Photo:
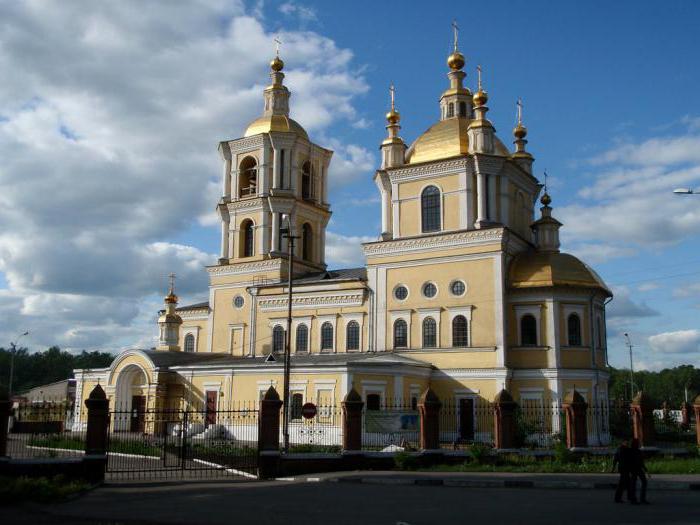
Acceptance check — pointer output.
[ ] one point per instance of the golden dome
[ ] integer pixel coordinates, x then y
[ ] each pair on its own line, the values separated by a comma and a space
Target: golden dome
520, 132
171, 298
276, 64
275, 123
546, 199
548, 269
448, 138
455, 61
393, 116
480, 98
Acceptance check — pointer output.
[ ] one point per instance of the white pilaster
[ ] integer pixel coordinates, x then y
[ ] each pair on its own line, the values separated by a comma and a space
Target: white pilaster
481, 198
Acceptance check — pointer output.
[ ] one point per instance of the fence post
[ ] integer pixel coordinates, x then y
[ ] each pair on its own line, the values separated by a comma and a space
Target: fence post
696, 409
269, 434
576, 423
5, 405
429, 409
686, 411
504, 420
352, 421
642, 410
95, 459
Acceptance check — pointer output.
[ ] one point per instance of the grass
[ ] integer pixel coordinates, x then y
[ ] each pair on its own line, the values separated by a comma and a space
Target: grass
123, 447
42, 490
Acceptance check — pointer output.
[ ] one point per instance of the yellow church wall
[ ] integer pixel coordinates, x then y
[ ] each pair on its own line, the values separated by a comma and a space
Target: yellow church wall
198, 328
519, 386
431, 255
450, 389
134, 359
578, 358
453, 359
527, 357
226, 318
583, 386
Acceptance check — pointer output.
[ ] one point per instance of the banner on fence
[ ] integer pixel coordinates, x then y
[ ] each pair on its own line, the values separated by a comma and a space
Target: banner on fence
391, 421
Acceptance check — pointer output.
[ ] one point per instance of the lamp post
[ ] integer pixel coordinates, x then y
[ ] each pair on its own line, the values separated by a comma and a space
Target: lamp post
13, 349
629, 345
288, 234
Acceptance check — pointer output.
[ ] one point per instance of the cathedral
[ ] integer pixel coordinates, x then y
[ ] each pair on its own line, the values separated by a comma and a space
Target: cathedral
465, 289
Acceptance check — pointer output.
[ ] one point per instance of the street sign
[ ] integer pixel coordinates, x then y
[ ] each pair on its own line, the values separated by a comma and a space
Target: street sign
308, 410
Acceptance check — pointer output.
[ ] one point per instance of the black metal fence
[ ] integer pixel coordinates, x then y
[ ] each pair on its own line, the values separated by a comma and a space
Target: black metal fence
44, 430
466, 421
183, 443
391, 427
322, 432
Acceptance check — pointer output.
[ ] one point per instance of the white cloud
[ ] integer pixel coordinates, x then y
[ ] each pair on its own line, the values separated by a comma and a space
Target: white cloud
350, 163
305, 14
687, 290
345, 251
680, 342
108, 130
648, 287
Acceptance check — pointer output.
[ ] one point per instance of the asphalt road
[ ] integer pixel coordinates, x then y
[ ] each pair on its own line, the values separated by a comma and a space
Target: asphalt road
345, 503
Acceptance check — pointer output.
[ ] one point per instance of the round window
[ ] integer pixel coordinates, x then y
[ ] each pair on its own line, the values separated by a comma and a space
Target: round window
401, 292
429, 290
238, 301
458, 288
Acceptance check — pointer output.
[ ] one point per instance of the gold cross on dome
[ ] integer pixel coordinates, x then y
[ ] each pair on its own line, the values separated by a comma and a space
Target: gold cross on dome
171, 277
520, 110
545, 180
478, 76
392, 92
278, 42
455, 28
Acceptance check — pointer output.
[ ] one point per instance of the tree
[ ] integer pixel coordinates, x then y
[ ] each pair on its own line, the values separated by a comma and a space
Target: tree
668, 384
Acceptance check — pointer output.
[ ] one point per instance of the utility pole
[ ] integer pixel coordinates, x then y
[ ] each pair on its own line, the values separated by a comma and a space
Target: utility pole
629, 345
288, 234
13, 349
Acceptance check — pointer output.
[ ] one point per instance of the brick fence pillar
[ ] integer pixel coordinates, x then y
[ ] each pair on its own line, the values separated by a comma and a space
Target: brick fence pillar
696, 409
686, 413
504, 422
642, 409
269, 434
576, 423
352, 421
95, 459
5, 406
429, 409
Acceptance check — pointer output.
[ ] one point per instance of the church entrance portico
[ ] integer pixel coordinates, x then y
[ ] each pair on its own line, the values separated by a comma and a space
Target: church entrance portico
131, 399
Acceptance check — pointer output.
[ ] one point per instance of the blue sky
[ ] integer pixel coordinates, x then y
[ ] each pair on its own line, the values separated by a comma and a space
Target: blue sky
132, 117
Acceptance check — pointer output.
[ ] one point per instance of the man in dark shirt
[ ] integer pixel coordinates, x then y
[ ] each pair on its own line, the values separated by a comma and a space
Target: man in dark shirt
637, 470
622, 460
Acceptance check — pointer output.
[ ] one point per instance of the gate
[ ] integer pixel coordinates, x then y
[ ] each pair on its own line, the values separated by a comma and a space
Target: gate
182, 443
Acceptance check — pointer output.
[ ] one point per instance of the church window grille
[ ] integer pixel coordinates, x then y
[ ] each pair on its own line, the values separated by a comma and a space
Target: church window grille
400, 334
352, 336
326, 336
306, 242
430, 209
458, 288
460, 332
189, 343
238, 301
302, 338
247, 177
574, 329
401, 292
297, 404
429, 290
528, 330
450, 110
278, 339
306, 192
248, 238
429, 333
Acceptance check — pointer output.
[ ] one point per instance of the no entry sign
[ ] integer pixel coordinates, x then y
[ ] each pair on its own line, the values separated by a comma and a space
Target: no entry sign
308, 410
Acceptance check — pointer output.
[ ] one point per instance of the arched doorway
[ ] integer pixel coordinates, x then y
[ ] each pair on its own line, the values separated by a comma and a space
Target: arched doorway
130, 401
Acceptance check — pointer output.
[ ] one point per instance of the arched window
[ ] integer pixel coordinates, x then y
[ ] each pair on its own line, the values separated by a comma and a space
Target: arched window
278, 339
528, 330
297, 403
189, 343
450, 110
306, 192
429, 333
352, 336
400, 334
573, 325
326, 336
247, 177
247, 238
302, 343
306, 242
430, 209
462, 109
460, 332
374, 401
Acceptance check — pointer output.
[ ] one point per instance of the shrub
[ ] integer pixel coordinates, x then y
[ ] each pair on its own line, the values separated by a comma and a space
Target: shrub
44, 490
405, 461
479, 453
562, 454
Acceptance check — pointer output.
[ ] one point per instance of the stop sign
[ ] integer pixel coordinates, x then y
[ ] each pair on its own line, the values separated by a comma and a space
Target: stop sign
308, 410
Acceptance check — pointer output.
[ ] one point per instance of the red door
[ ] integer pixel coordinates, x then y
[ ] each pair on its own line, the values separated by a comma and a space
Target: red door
211, 408
138, 413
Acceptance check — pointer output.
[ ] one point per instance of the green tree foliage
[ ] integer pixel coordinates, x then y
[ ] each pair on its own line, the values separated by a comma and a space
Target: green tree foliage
668, 384
39, 368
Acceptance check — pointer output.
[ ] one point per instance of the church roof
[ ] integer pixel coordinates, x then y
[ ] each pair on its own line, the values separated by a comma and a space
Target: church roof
534, 269
271, 123
195, 306
445, 139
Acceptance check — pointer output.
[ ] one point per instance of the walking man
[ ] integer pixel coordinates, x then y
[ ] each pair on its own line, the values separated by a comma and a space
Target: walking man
637, 470
621, 460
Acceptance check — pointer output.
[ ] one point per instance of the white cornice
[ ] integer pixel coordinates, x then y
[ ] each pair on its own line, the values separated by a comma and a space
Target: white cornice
433, 242
432, 169
335, 300
243, 268
246, 143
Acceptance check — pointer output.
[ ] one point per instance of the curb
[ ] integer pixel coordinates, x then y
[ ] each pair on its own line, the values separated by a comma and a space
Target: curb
491, 484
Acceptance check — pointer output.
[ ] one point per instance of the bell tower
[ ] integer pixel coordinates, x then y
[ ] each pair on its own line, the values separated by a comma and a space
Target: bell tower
274, 174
